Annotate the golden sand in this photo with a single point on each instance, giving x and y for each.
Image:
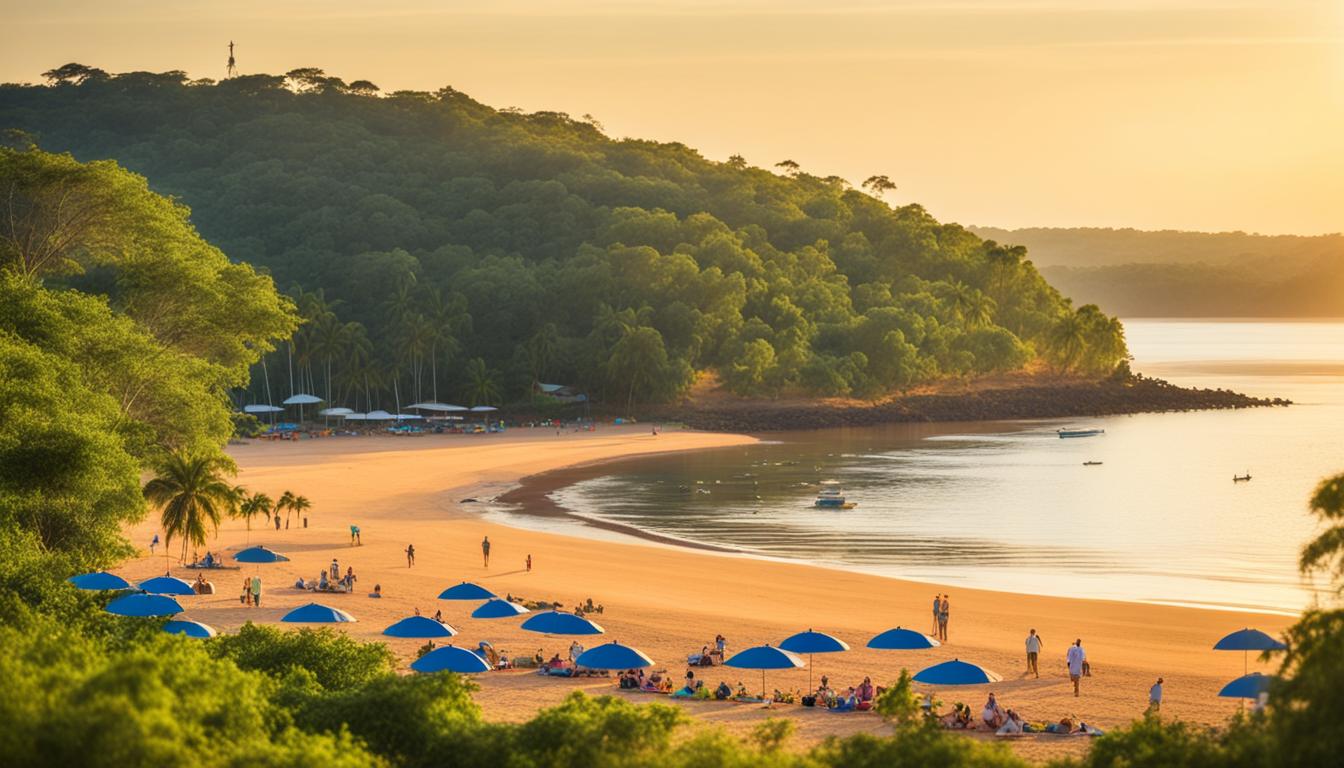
(670, 601)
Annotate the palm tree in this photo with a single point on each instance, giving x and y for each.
(1326, 552)
(251, 506)
(1067, 340)
(300, 504)
(481, 386)
(286, 503)
(192, 495)
(878, 185)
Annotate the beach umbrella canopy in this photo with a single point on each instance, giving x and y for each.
(356, 417)
(378, 415)
(956, 672)
(335, 412)
(259, 554)
(559, 623)
(813, 642)
(314, 613)
(302, 399)
(613, 656)
(190, 629)
(142, 604)
(899, 639)
(419, 626)
(261, 408)
(1247, 686)
(466, 591)
(498, 609)
(450, 658)
(1248, 640)
(765, 657)
(167, 585)
(483, 409)
(99, 580)
(408, 417)
(437, 407)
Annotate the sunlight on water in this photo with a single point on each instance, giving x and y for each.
(1010, 505)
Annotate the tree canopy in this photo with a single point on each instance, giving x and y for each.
(418, 232)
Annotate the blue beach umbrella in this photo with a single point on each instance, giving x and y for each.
(190, 629)
(899, 639)
(467, 591)
(558, 623)
(956, 672)
(1247, 686)
(450, 658)
(498, 609)
(613, 656)
(141, 604)
(764, 657)
(259, 554)
(167, 585)
(99, 580)
(419, 626)
(1246, 640)
(811, 642)
(314, 613)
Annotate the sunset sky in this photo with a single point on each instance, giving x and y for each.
(1191, 114)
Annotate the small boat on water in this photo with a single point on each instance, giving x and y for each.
(831, 496)
(1091, 463)
(1079, 432)
(1241, 478)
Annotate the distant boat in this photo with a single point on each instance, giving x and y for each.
(1241, 478)
(831, 496)
(1091, 463)
(1079, 432)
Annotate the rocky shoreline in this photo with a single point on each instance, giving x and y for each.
(1109, 397)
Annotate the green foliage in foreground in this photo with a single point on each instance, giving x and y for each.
(426, 234)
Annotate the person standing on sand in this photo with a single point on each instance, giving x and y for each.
(1155, 697)
(410, 555)
(1075, 658)
(937, 608)
(529, 563)
(335, 570)
(247, 591)
(256, 591)
(154, 543)
(485, 550)
(944, 610)
(1033, 652)
(277, 521)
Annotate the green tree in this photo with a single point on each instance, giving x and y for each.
(253, 505)
(482, 385)
(192, 496)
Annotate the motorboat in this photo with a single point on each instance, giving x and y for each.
(1079, 432)
(832, 496)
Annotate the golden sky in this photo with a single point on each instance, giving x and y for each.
(1191, 114)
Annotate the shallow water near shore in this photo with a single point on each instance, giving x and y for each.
(1011, 506)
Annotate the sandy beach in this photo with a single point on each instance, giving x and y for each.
(669, 601)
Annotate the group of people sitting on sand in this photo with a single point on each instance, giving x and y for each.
(543, 605)
(332, 581)
(211, 560)
(1004, 721)
(202, 587)
(709, 655)
(858, 698)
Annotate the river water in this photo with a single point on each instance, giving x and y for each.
(1011, 506)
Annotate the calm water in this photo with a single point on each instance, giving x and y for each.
(1010, 506)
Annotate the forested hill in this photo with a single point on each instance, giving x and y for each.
(440, 248)
(1135, 273)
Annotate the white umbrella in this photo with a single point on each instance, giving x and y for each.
(483, 408)
(378, 416)
(261, 408)
(356, 417)
(302, 400)
(437, 407)
(408, 416)
(335, 412)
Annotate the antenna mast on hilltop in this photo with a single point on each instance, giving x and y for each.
(233, 69)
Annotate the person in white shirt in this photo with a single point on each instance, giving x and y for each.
(1075, 658)
(1155, 696)
(1033, 652)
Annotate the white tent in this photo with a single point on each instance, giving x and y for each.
(437, 407)
(335, 412)
(379, 415)
(302, 399)
(261, 408)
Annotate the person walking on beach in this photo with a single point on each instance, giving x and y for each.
(410, 555)
(277, 521)
(1076, 657)
(256, 591)
(153, 543)
(529, 563)
(1155, 697)
(485, 550)
(335, 570)
(1033, 652)
(937, 608)
(944, 610)
(247, 591)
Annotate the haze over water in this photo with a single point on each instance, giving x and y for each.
(1010, 506)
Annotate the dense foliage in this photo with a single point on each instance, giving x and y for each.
(440, 248)
(1134, 273)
